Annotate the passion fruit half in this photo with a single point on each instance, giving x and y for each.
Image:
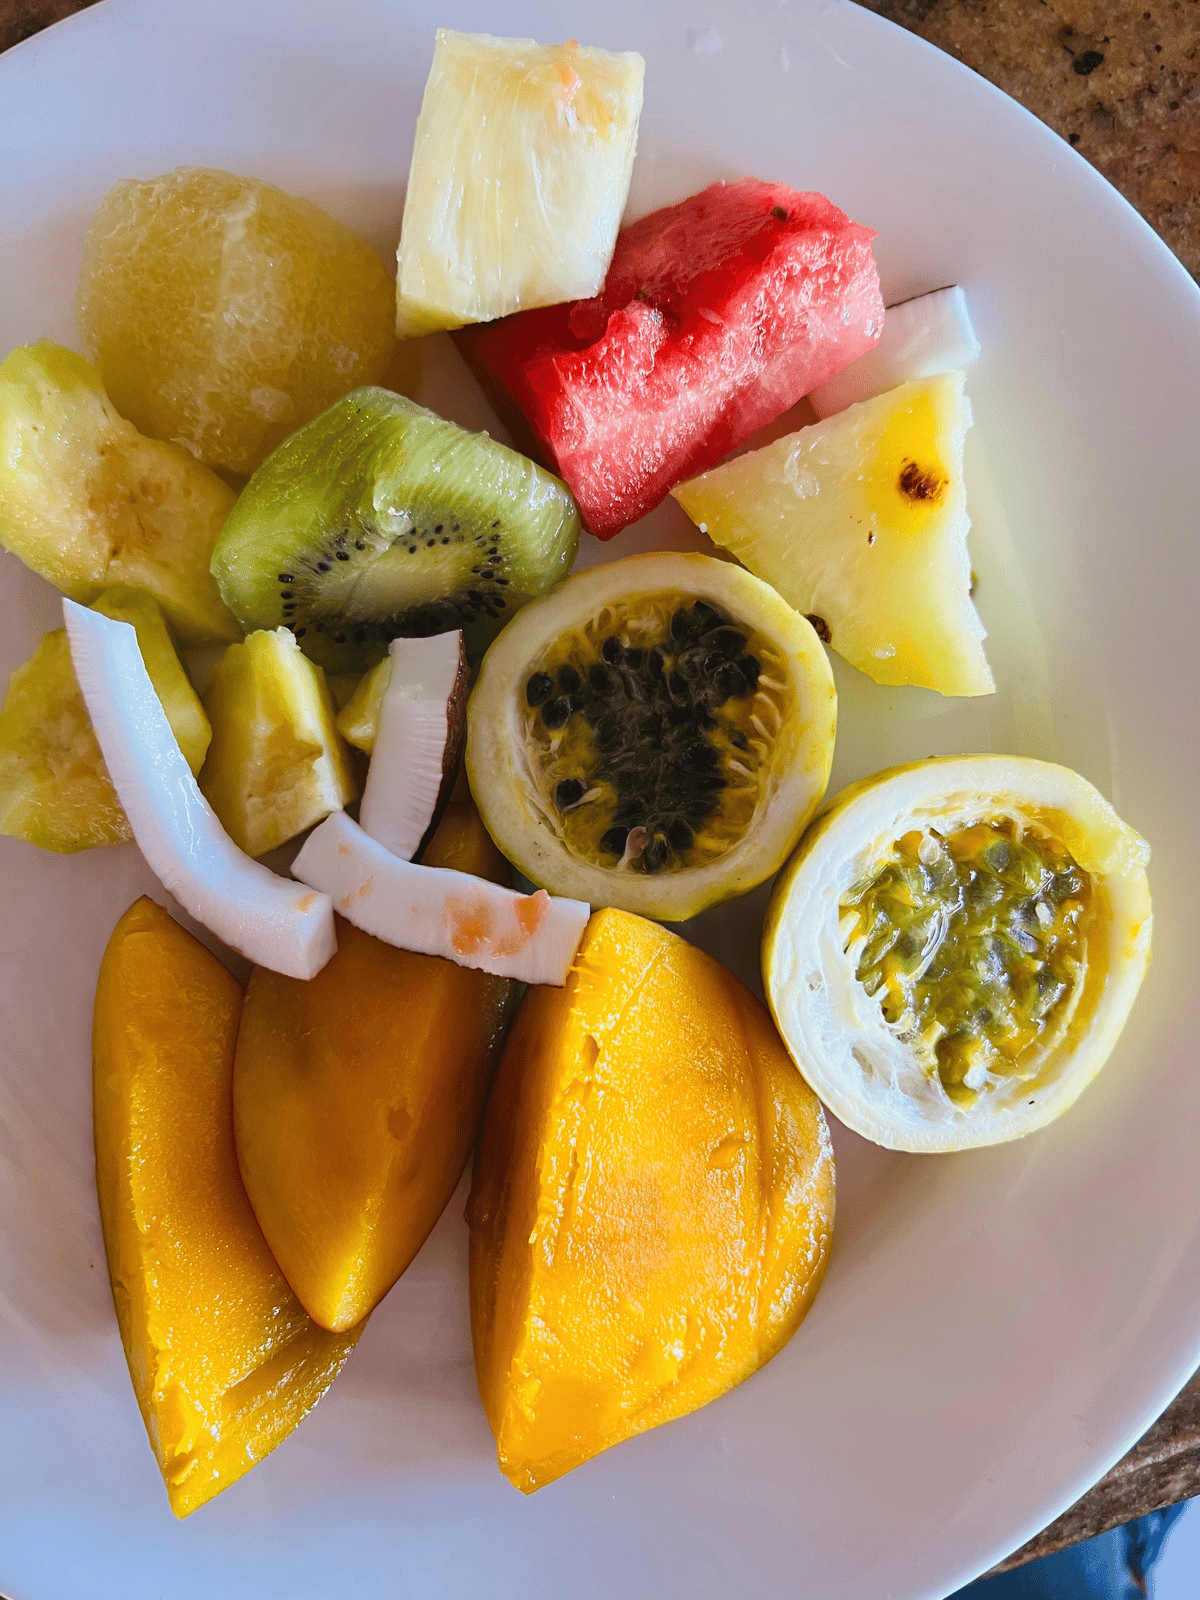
(654, 735)
(955, 946)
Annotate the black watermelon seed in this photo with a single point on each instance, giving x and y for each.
(569, 793)
(611, 650)
(568, 679)
(600, 679)
(656, 854)
(679, 834)
(613, 842)
(555, 713)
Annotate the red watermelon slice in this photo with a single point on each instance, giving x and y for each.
(717, 315)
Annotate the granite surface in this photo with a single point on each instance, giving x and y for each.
(1122, 83)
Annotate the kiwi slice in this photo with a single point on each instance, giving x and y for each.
(380, 520)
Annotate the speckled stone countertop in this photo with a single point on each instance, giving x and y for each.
(1121, 82)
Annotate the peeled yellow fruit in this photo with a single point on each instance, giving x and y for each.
(357, 1098)
(652, 1201)
(225, 314)
(358, 718)
(54, 787)
(86, 501)
(860, 522)
(223, 1359)
(954, 948)
(277, 763)
(520, 171)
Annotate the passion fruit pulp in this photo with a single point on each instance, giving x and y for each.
(654, 735)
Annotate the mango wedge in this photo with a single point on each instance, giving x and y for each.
(223, 1359)
(652, 1202)
(357, 1097)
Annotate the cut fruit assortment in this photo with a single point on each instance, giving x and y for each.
(950, 950)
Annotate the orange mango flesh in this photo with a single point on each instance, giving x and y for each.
(224, 1361)
(358, 1095)
(652, 1201)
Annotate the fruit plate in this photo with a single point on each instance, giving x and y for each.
(996, 1327)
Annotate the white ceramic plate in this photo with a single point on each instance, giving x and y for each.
(996, 1328)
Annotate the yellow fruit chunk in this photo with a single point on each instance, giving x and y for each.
(86, 501)
(225, 314)
(358, 719)
(520, 171)
(357, 1098)
(861, 523)
(276, 764)
(54, 787)
(652, 1202)
(223, 1359)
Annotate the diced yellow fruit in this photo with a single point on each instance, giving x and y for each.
(86, 501)
(652, 1201)
(358, 720)
(342, 686)
(276, 764)
(520, 171)
(54, 787)
(225, 314)
(861, 522)
(224, 1361)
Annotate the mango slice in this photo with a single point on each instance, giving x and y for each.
(87, 501)
(652, 1202)
(223, 1359)
(54, 787)
(277, 763)
(357, 1097)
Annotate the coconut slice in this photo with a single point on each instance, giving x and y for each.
(530, 937)
(921, 337)
(418, 743)
(272, 922)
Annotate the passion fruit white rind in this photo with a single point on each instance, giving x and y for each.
(882, 1077)
(271, 921)
(618, 756)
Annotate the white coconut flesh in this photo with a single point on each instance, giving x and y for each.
(1041, 958)
(418, 741)
(271, 921)
(921, 337)
(530, 937)
(660, 790)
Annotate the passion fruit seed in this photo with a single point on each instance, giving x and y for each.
(658, 757)
(977, 940)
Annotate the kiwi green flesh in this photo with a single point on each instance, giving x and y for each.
(652, 732)
(382, 520)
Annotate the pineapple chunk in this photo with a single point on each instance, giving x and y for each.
(276, 764)
(87, 501)
(520, 172)
(54, 787)
(861, 523)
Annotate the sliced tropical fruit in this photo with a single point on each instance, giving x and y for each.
(530, 937)
(953, 950)
(716, 316)
(277, 763)
(87, 502)
(224, 314)
(861, 523)
(270, 920)
(922, 337)
(651, 1206)
(223, 1359)
(357, 1097)
(654, 735)
(520, 171)
(358, 718)
(416, 752)
(381, 520)
(54, 788)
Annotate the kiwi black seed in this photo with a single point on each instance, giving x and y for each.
(651, 712)
(380, 519)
